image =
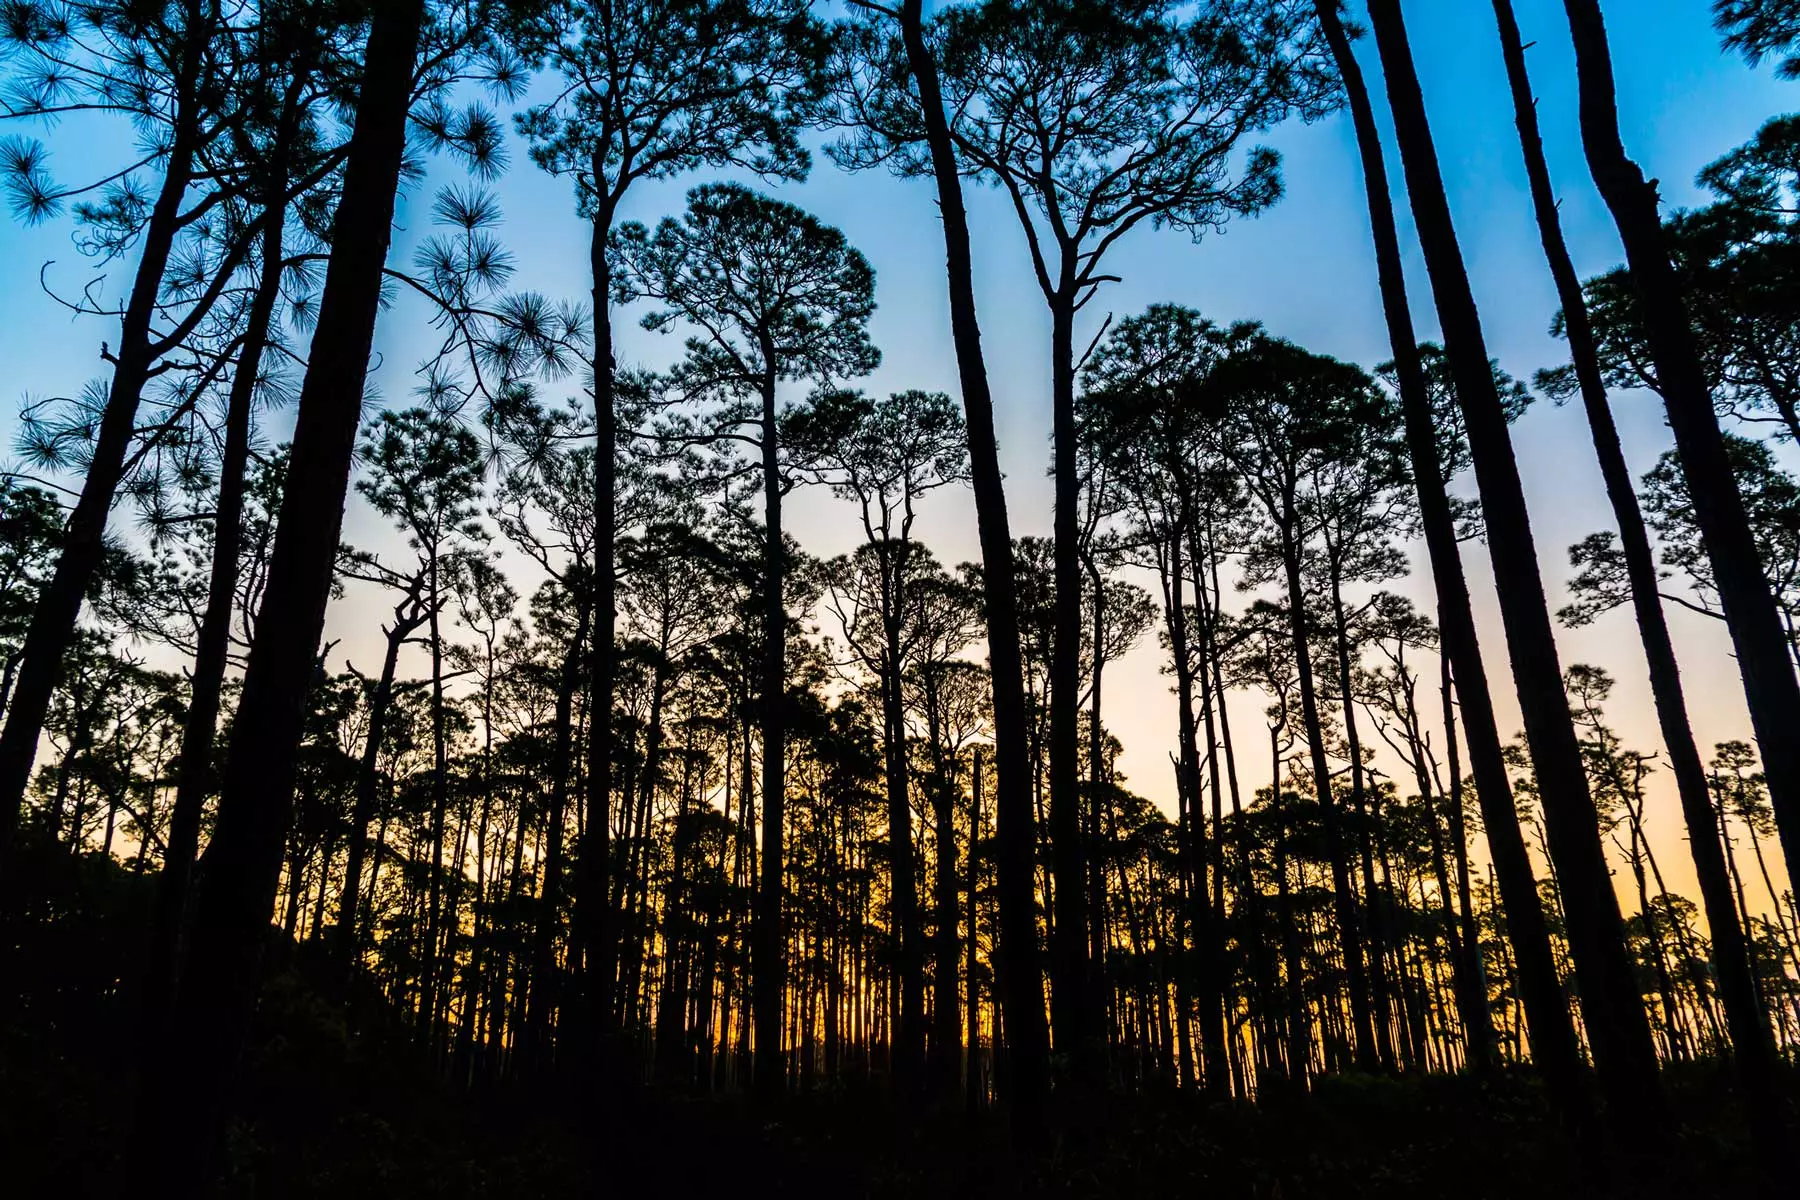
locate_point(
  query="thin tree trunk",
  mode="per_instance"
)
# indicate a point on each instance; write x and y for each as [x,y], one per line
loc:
[909,1065]
[1027,1038]
[406,619]
[1763,649]
[1071,1008]
[596,852]
[435,938]
[53,619]
[946,1031]
[1195,858]
[1368,1048]
[972,1063]
[206,685]
[769,955]
[1359,803]
[544,995]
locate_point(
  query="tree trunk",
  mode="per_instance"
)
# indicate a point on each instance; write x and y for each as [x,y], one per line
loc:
[1195,858]
[53,619]
[1349,920]
[1755,1050]
[910,1052]
[768,957]
[596,851]
[673,1061]
[195,773]
[367,782]
[1071,1007]
[1465,947]
[1757,636]
[1367,831]
[231,914]
[946,1026]
[435,939]
[1555,1049]
[544,994]
[1023,990]
[972,1064]
[1624,1052]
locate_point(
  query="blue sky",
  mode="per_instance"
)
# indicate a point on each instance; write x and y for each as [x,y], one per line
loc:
[1305,269]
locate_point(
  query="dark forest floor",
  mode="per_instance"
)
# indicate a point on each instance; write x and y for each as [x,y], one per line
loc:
[327,1115]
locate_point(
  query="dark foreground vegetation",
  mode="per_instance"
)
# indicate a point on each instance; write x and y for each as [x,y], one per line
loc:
[337,1099]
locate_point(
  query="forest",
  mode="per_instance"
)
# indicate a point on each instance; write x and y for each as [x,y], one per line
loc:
[443,756]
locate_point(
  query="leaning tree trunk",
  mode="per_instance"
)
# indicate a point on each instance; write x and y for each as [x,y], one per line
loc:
[1754,1048]
[1555,1050]
[1750,612]
[1022,988]
[207,684]
[53,620]
[1619,1031]
[222,967]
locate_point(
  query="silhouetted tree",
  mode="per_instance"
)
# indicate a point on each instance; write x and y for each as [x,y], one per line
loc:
[1554,1045]
[1755,1048]
[774,296]
[1770,687]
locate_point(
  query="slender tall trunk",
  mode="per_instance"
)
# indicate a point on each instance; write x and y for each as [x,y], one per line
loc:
[946,1028]
[972,1063]
[1023,989]
[768,958]
[1465,948]
[222,968]
[1374,905]
[1097,778]
[545,993]
[1624,1052]
[195,770]
[1763,649]
[596,851]
[1368,1050]
[1215,1074]
[909,1053]
[435,936]
[1754,1048]
[1299,1026]
[1555,1050]
[53,619]
[673,1059]
[1071,1006]
[407,618]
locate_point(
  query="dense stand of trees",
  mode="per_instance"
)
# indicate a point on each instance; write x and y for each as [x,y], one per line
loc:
[640,789]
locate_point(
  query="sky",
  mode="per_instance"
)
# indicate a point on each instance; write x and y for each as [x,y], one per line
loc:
[1305,269]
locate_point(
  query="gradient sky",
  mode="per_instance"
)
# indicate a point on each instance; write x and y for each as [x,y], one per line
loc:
[1305,269]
